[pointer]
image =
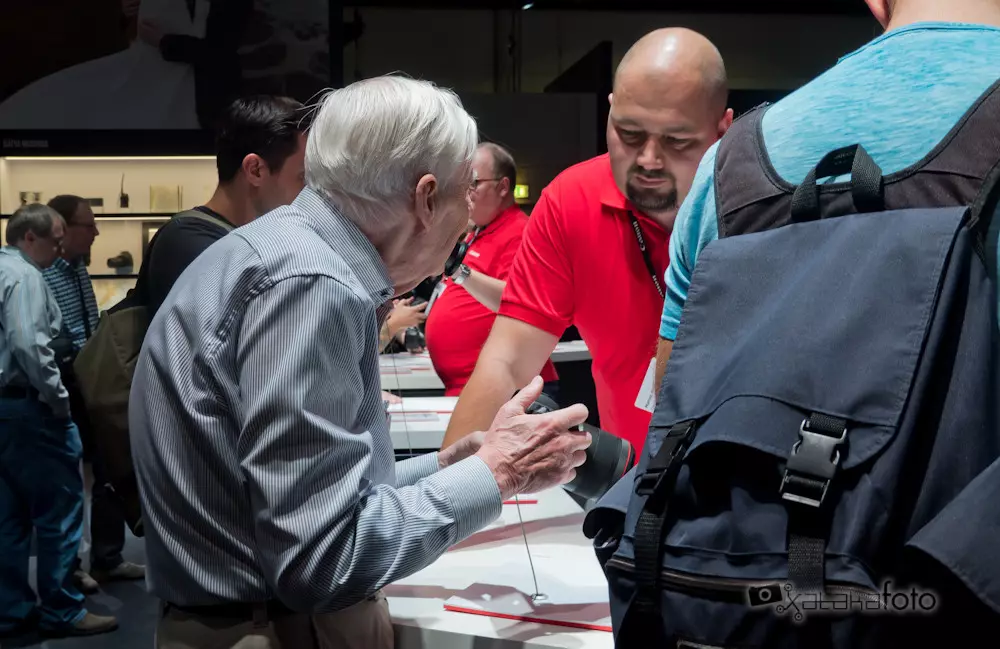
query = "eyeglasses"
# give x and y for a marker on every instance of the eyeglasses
(476, 182)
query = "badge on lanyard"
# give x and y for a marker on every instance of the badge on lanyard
(646, 399)
(438, 290)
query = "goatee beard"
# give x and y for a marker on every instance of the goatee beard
(652, 201)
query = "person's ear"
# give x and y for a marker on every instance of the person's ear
(881, 10)
(611, 97)
(425, 201)
(726, 122)
(504, 187)
(255, 169)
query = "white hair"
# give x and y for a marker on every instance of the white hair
(371, 141)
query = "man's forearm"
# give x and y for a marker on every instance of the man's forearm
(491, 386)
(662, 356)
(487, 290)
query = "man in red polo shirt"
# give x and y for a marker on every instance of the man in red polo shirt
(596, 246)
(461, 316)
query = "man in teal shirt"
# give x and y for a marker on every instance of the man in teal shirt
(898, 96)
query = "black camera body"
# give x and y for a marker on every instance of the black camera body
(608, 457)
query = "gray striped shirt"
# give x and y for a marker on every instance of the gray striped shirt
(260, 439)
(30, 321)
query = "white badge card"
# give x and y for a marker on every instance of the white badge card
(438, 290)
(647, 396)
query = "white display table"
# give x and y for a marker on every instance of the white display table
(403, 372)
(495, 562)
(408, 372)
(574, 350)
(419, 423)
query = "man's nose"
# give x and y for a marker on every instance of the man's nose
(650, 155)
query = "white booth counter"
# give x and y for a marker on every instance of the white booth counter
(411, 372)
(419, 423)
(478, 595)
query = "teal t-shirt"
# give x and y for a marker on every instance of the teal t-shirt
(897, 96)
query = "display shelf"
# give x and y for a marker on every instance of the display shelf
(117, 216)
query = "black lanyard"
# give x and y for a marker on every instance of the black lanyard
(645, 255)
(83, 302)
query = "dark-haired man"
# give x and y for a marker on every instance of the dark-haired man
(596, 247)
(70, 283)
(463, 313)
(260, 156)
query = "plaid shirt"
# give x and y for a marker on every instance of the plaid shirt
(70, 283)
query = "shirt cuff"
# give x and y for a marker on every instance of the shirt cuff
(554, 326)
(414, 469)
(473, 493)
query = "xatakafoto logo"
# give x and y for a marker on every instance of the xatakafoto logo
(787, 601)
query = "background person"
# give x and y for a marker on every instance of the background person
(596, 247)
(466, 306)
(260, 155)
(261, 442)
(71, 286)
(41, 488)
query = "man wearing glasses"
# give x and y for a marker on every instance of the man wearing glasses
(70, 283)
(41, 488)
(466, 303)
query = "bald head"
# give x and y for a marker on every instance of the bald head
(675, 58)
(667, 107)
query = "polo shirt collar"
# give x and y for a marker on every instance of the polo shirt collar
(62, 264)
(610, 195)
(612, 198)
(340, 233)
(503, 216)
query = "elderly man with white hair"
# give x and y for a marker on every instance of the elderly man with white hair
(273, 505)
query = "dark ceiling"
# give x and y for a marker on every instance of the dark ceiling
(831, 7)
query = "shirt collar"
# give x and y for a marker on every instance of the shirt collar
(338, 232)
(610, 195)
(504, 215)
(15, 251)
(918, 27)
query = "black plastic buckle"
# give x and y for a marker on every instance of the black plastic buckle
(813, 461)
(674, 446)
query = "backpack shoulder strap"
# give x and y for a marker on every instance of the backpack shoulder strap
(204, 216)
(139, 294)
(740, 177)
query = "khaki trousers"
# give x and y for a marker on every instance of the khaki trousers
(365, 625)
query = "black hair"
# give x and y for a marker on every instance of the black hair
(503, 163)
(265, 125)
(66, 205)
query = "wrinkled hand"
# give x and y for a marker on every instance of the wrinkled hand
(389, 397)
(130, 8)
(463, 448)
(404, 315)
(150, 33)
(531, 453)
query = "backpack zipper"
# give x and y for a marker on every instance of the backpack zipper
(728, 589)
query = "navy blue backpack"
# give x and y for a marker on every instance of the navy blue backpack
(821, 469)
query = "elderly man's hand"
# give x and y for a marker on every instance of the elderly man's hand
(530, 453)
(463, 448)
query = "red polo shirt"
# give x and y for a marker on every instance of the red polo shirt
(459, 324)
(580, 263)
